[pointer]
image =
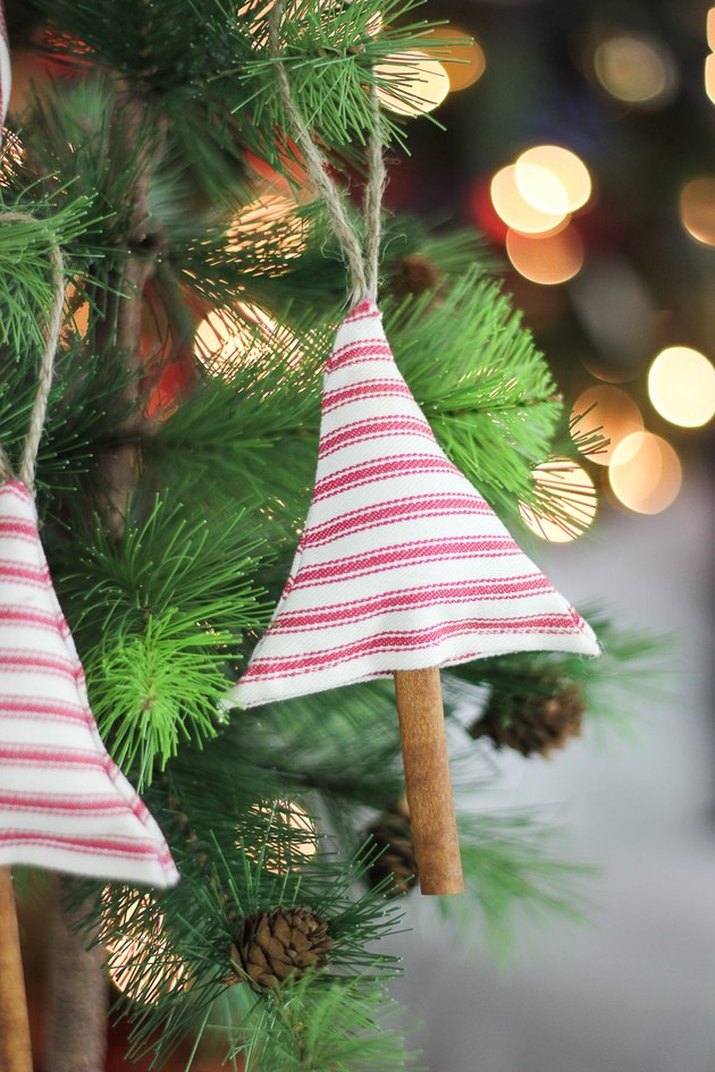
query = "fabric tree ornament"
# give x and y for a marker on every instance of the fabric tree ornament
(64, 804)
(402, 566)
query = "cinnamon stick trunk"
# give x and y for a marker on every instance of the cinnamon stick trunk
(427, 781)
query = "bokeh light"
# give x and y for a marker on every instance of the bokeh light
(140, 960)
(606, 411)
(271, 228)
(637, 70)
(255, 13)
(291, 840)
(697, 209)
(552, 179)
(710, 28)
(76, 314)
(549, 259)
(681, 386)
(418, 83)
(570, 493)
(645, 473)
(226, 337)
(461, 56)
(516, 212)
(710, 76)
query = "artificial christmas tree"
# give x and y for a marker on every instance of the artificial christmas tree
(174, 473)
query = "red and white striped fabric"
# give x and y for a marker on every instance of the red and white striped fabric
(64, 804)
(5, 78)
(402, 564)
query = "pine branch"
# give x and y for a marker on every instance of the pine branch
(483, 386)
(510, 872)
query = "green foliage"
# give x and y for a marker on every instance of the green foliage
(510, 872)
(630, 660)
(344, 1025)
(332, 57)
(193, 926)
(158, 615)
(25, 278)
(155, 690)
(484, 387)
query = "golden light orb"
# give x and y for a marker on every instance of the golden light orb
(637, 70)
(645, 473)
(549, 259)
(710, 76)
(569, 489)
(553, 179)
(609, 412)
(681, 386)
(226, 337)
(416, 83)
(140, 960)
(516, 212)
(697, 209)
(269, 225)
(291, 840)
(461, 56)
(710, 28)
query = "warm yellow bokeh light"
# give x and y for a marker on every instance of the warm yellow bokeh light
(636, 70)
(76, 314)
(226, 337)
(140, 960)
(569, 490)
(11, 156)
(420, 83)
(510, 205)
(710, 76)
(553, 179)
(697, 209)
(547, 260)
(681, 386)
(461, 56)
(645, 473)
(710, 29)
(271, 226)
(292, 836)
(609, 412)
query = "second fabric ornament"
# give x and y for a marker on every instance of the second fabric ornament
(402, 566)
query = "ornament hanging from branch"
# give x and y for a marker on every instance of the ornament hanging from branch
(64, 804)
(402, 566)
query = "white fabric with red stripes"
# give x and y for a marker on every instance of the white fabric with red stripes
(402, 565)
(64, 804)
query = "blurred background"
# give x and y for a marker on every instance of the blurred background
(580, 139)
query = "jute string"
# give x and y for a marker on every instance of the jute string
(28, 458)
(362, 268)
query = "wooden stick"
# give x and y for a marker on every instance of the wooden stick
(15, 1045)
(427, 781)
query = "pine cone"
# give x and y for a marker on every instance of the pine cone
(414, 274)
(392, 833)
(271, 946)
(533, 723)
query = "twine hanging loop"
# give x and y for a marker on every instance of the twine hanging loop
(28, 457)
(362, 267)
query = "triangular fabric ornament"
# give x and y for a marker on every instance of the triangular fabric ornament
(402, 564)
(64, 804)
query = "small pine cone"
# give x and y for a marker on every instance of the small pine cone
(533, 723)
(414, 274)
(392, 833)
(271, 946)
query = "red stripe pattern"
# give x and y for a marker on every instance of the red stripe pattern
(64, 804)
(402, 564)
